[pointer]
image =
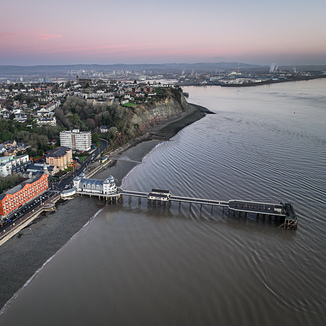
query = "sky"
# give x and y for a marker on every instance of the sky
(43, 32)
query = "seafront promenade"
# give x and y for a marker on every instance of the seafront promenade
(47, 206)
(50, 204)
(163, 131)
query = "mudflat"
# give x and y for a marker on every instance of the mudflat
(24, 254)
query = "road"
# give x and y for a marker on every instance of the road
(19, 213)
(61, 184)
(66, 181)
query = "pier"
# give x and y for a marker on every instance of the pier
(108, 191)
(242, 207)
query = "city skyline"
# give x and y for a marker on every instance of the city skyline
(104, 32)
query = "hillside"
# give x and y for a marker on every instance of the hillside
(125, 122)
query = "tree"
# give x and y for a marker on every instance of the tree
(90, 124)
(95, 138)
(59, 114)
(112, 132)
(6, 135)
(23, 136)
(9, 182)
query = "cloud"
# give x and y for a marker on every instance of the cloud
(46, 37)
(6, 35)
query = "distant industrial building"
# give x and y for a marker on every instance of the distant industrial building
(76, 140)
(60, 157)
(23, 193)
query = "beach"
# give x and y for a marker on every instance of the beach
(24, 254)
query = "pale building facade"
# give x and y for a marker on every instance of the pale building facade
(76, 140)
(9, 163)
(60, 157)
(105, 187)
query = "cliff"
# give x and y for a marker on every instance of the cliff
(159, 118)
(132, 119)
(147, 115)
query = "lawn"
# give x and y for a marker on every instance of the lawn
(83, 158)
(130, 105)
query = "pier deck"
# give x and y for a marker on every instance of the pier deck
(256, 207)
(201, 201)
(134, 193)
(242, 206)
(281, 210)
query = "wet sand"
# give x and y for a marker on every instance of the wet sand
(24, 254)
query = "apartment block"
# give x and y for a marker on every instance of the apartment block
(23, 193)
(76, 140)
(60, 157)
(11, 163)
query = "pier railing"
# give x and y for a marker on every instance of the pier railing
(243, 207)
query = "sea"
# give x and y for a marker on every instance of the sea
(154, 264)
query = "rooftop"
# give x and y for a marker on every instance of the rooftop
(58, 152)
(75, 131)
(21, 186)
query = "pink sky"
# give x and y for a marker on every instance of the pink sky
(105, 32)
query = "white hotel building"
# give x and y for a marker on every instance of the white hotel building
(76, 140)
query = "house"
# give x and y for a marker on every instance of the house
(50, 121)
(11, 151)
(5, 113)
(104, 129)
(22, 147)
(52, 142)
(2, 148)
(20, 115)
(10, 143)
(12, 147)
